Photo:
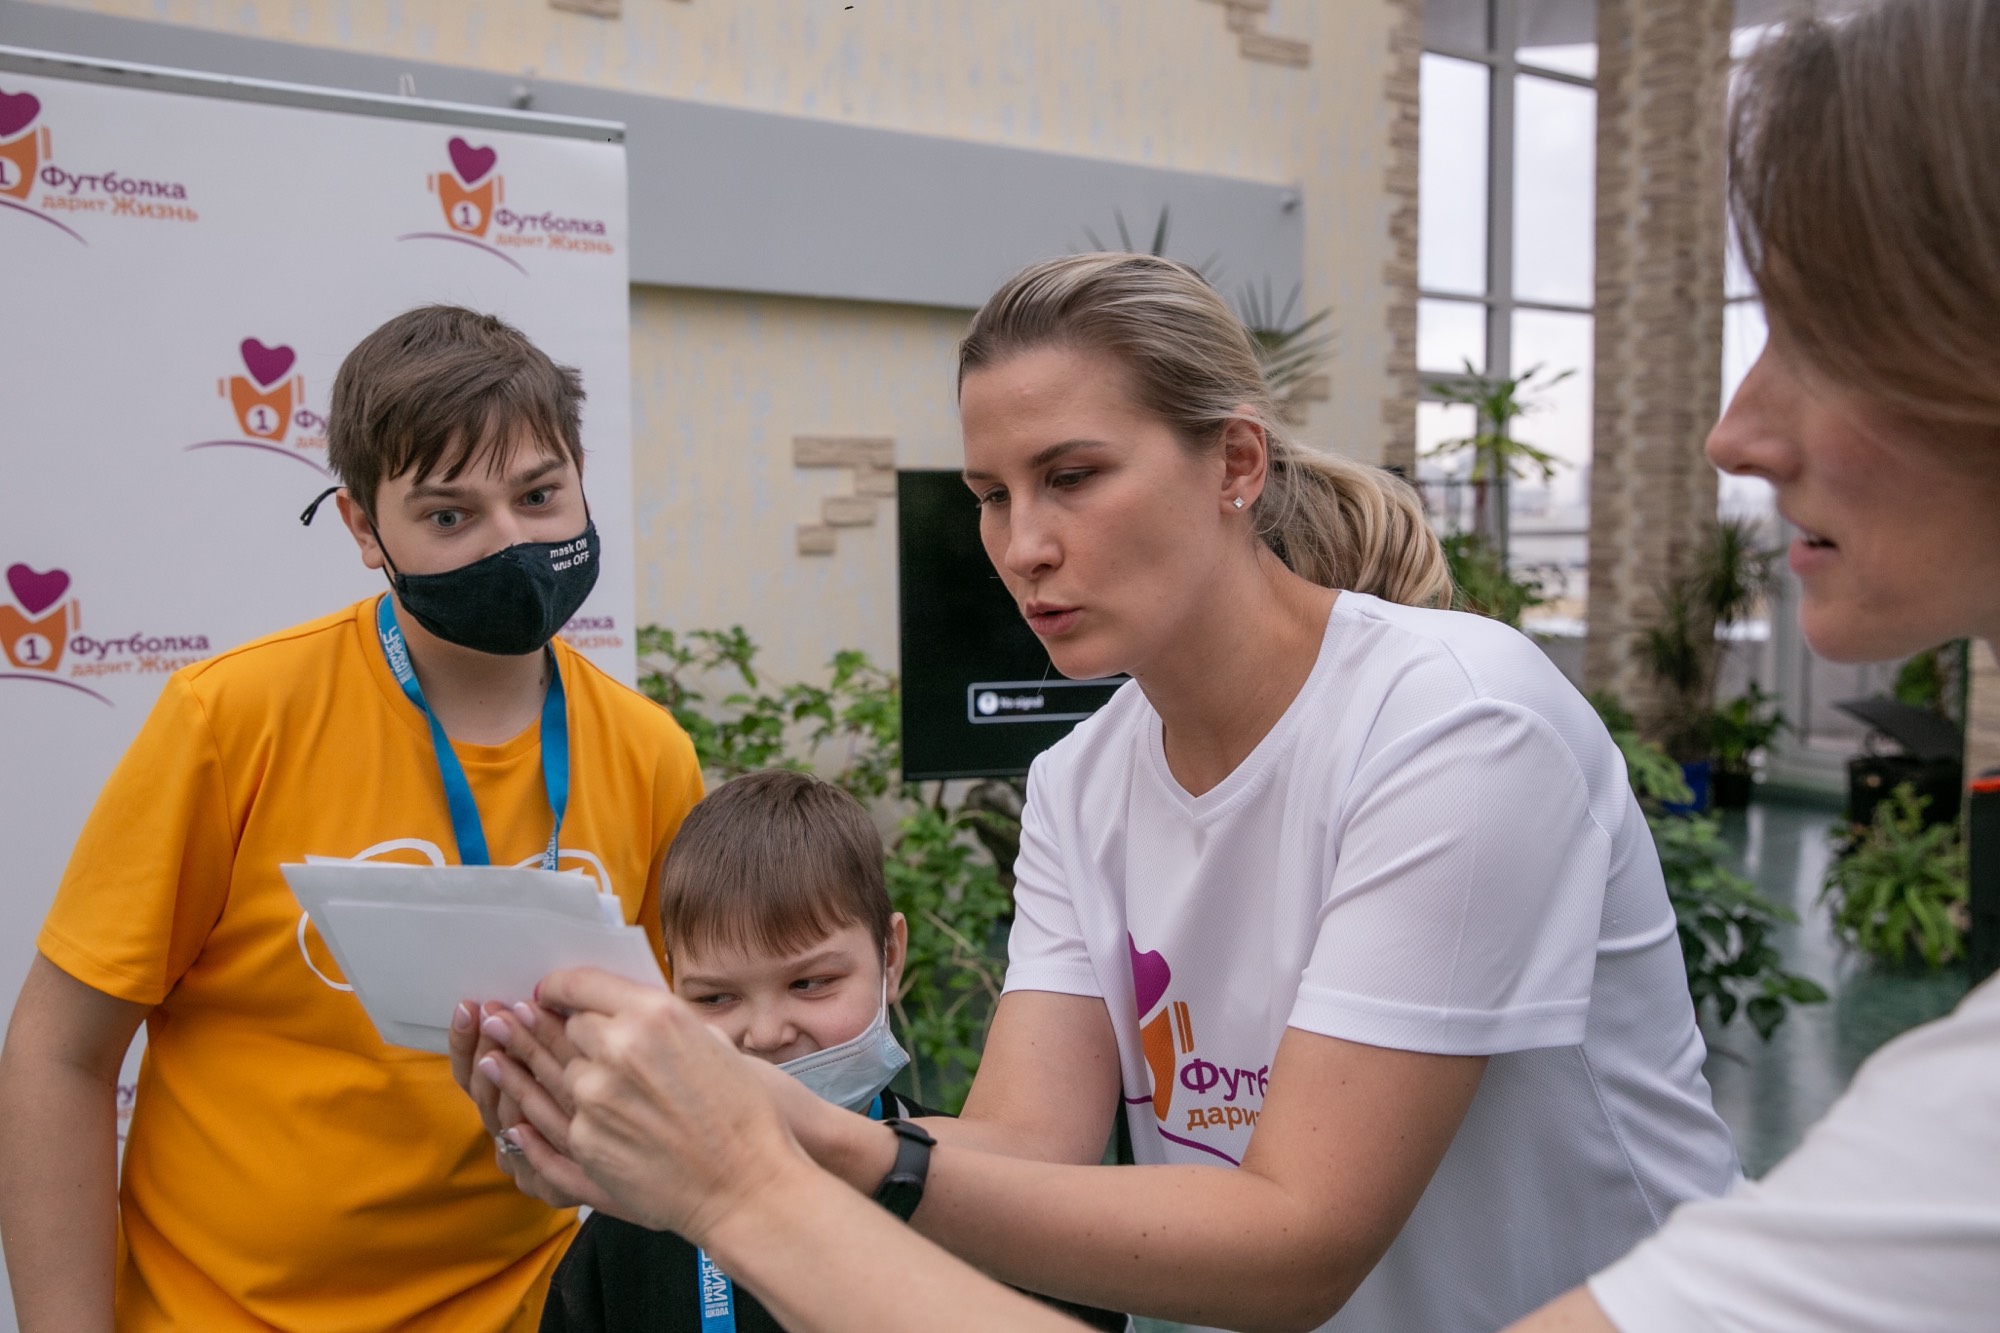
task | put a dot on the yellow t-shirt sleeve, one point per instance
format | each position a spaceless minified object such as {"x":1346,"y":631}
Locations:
{"x":151,"y":870}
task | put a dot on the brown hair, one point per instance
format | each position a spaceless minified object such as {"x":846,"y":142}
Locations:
{"x":773,"y":862}
{"x":434,"y":386}
{"x":1865,"y":184}
{"x":1191,"y":362}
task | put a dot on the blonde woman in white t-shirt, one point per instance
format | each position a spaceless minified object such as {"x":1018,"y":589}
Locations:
{"x":1344,"y":902}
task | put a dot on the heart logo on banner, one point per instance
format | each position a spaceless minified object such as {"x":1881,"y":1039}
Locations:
{"x":267,"y":365}
{"x":17,"y":112}
{"x":471,"y":163}
{"x":34,"y":591}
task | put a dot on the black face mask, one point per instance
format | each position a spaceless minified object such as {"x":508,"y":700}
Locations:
{"x":511,"y":603}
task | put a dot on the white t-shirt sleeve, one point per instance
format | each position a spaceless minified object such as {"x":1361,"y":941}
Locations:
{"x":1467,"y":895}
{"x":1045,"y":949}
{"x":1886,"y":1219}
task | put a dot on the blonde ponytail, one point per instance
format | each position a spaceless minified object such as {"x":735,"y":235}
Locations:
{"x":1344,"y":524}
{"x":1336,"y":522}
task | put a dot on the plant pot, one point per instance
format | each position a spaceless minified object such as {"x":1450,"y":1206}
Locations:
{"x":1731,"y":789}
{"x":1696,"y":775}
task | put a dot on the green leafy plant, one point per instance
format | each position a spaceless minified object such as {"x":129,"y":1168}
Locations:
{"x":1725,"y":929}
{"x":1725,"y":925}
{"x":1742,"y":727}
{"x":1483,"y":583}
{"x":752,"y":728}
{"x":1736,"y":571}
{"x":1291,"y":348}
{"x":942,"y":868}
{"x":1728,"y":578}
{"x":954,"y":900}
{"x":1935,"y":681}
{"x":1497,"y":401}
{"x":1902,"y":886}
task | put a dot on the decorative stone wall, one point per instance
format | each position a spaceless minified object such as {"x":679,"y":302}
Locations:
{"x":1246,"y":20}
{"x":1982,"y":714}
{"x":1662,"y":78}
{"x":871,"y":460}
{"x":1399,"y":271}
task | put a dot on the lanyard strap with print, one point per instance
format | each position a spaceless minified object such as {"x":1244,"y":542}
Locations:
{"x":465,"y":825}
{"x":715,"y":1294}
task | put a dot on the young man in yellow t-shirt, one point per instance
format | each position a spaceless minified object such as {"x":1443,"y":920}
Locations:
{"x":284,"y":1167}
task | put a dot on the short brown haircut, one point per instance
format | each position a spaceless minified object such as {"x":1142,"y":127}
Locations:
{"x":773,"y":862}
{"x":1865,"y":184}
{"x":434,"y":386}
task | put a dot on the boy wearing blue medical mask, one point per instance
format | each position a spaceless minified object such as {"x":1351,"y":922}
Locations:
{"x":779,"y":931}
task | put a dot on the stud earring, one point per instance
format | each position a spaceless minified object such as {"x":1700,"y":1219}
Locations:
{"x":1238,"y":502}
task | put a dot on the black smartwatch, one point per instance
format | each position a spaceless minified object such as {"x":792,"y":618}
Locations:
{"x":903,"y":1188}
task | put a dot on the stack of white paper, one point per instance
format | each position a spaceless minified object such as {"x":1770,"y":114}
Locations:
{"x":413,"y":941}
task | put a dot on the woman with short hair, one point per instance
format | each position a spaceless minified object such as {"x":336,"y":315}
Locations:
{"x":1865,"y":181}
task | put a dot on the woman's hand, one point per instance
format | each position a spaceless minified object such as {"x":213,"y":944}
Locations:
{"x":478,"y":1038}
{"x":850,"y":1146}
{"x":670,"y":1121}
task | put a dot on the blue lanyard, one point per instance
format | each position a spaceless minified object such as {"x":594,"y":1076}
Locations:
{"x":715,"y":1294}
{"x":465,"y":825}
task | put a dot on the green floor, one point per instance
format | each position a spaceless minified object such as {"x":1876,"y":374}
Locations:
{"x":1769,"y":1093}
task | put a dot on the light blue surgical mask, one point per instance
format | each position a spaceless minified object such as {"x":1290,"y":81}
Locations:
{"x":851,"y":1073}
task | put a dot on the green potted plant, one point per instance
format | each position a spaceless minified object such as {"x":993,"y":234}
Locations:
{"x":1483,"y":584}
{"x":1498,"y":401}
{"x":1739,"y":730}
{"x":1901,"y":887}
{"x":1726,"y":927}
{"x":1731,"y":574}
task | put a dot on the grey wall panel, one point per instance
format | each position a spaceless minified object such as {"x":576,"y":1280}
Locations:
{"x":751,"y":201}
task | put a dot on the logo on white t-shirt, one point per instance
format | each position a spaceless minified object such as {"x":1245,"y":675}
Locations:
{"x":1213,"y":1097}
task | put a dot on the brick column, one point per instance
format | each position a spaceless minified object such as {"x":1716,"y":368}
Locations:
{"x":1662,"y":77}
{"x":1399,"y":404}
{"x":1982,"y":712}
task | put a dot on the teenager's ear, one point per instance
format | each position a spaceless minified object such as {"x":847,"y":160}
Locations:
{"x":899,"y":948}
{"x":359,"y":527}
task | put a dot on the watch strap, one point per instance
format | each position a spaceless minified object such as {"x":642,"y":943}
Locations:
{"x":903,"y":1188}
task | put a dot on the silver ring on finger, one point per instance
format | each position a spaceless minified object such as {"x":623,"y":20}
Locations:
{"x":507,"y":1146}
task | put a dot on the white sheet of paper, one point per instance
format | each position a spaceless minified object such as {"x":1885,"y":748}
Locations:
{"x":415,"y":940}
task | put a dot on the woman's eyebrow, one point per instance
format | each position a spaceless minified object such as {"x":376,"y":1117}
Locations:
{"x":1042,"y":459}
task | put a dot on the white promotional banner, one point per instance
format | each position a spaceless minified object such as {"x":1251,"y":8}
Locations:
{"x":183,"y":264}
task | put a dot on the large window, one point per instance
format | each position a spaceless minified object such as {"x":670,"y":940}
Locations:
{"x":1506,"y":259}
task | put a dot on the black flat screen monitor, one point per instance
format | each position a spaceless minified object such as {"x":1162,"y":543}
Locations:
{"x":979,"y":696}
